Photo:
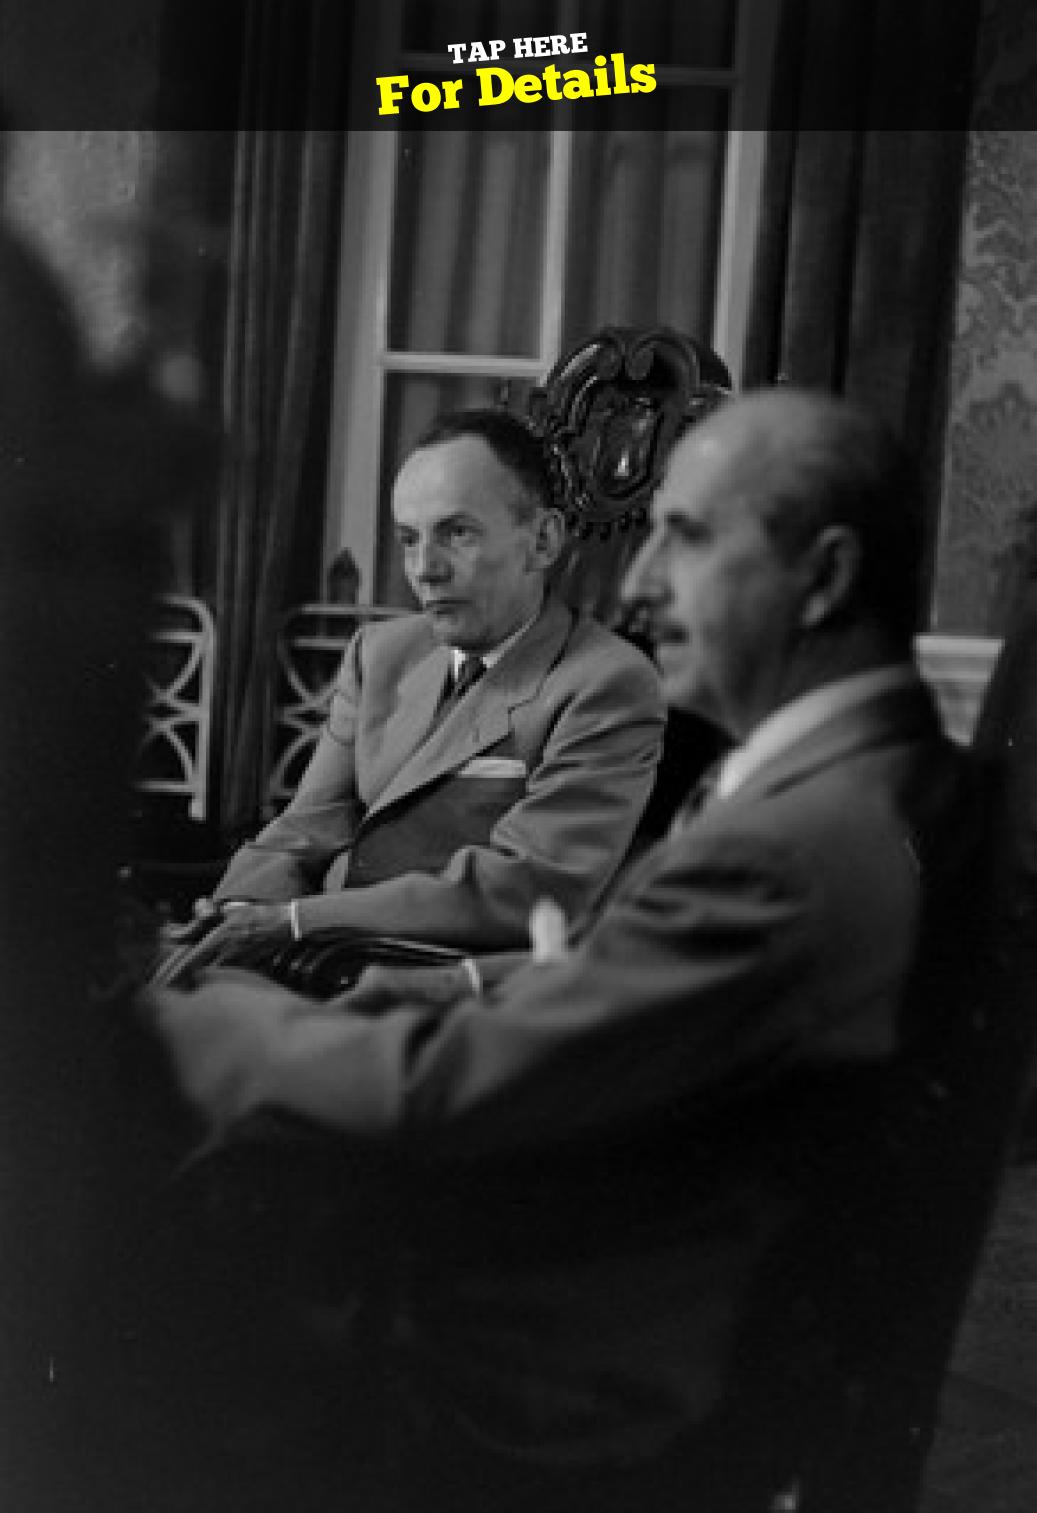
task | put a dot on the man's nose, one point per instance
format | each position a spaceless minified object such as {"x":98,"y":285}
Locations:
{"x":645,"y":582}
{"x":429,"y":563}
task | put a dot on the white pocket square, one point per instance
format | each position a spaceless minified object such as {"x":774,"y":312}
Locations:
{"x":493,"y":767}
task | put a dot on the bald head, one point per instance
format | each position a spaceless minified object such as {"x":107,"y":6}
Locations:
{"x":785,"y":552}
{"x":812,"y":461}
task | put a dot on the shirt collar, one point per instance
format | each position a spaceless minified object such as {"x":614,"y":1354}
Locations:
{"x":492,"y":657}
{"x":800,"y":717}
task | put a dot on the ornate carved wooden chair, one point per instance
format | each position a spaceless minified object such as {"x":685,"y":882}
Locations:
{"x":609,"y":412}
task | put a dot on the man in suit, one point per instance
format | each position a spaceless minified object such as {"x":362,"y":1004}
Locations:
{"x":443,"y":808}
{"x":605,"y":1159}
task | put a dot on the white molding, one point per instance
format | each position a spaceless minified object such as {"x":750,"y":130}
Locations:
{"x":461,"y":364}
{"x":351,"y":518}
{"x":957,"y":668}
{"x":552,"y":293}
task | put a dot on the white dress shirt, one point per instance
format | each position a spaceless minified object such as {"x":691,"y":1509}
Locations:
{"x":787,"y":725}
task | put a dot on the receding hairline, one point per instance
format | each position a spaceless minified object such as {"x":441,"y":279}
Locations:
{"x":520,"y":499}
{"x":771,"y":425}
{"x":511,"y":440}
{"x":796,"y":437}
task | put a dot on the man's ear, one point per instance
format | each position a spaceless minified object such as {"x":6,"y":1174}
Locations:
{"x":832,"y":564}
{"x":548,"y":540}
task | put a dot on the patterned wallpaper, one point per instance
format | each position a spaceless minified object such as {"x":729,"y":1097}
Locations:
{"x":988,"y":545}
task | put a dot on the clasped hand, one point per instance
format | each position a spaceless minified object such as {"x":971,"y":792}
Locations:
{"x":215,"y":931}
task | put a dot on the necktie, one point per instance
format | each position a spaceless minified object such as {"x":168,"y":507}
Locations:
{"x":470,"y":671}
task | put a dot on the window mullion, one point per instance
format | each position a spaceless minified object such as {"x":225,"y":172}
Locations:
{"x":743,"y":178}
{"x":552,"y":294}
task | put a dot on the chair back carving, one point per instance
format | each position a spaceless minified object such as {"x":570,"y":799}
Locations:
{"x":173,"y":756}
{"x":609,"y":412}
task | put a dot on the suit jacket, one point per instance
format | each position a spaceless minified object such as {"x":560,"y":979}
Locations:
{"x":603,"y":1158}
{"x":532,"y":786}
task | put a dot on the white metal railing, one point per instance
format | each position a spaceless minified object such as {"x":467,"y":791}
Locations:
{"x":173,"y":756}
{"x":957,"y":669}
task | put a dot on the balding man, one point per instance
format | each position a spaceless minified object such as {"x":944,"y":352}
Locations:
{"x":494,"y":750}
{"x":605,"y":1155}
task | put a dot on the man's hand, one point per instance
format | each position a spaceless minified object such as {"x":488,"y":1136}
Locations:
{"x":379,"y":989}
{"x":205,"y":916}
{"x":236,"y":925}
{"x":252,"y":922}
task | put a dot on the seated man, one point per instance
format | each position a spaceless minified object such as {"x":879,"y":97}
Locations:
{"x":603,"y":1156}
{"x":492,"y":750}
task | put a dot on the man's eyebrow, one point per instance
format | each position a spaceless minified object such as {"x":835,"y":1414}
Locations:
{"x":459,"y":517}
{"x":441,"y":523}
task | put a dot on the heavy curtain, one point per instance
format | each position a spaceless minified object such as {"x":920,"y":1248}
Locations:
{"x":286,"y":196}
{"x":860,"y":222}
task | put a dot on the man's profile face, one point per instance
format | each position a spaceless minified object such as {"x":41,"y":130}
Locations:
{"x":723,"y":604}
{"x":475,"y":567}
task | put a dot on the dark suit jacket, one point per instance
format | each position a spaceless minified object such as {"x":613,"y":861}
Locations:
{"x":532,"y":786}
{"x":603,"y":1156}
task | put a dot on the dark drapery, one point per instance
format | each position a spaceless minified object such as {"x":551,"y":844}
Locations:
{"x":282,"y":264}
{"x":860,"y":220}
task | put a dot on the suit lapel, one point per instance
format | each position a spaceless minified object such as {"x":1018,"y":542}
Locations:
{"x":418,"y":696}
{"x":479,"y":721}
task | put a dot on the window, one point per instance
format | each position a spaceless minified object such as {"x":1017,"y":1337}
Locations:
{"x":472,"y":259}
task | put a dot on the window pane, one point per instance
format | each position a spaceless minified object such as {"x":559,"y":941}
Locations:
{"x":468,"y":242}
{"x":412,"y":401}
{"x":644,"y":225}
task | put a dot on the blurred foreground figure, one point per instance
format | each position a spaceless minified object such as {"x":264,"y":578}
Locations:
{"x":594,"y":1170}
{"x":85,"y":464}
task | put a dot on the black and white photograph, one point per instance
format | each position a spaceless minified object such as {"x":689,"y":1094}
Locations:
{"x":518,"y":756}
